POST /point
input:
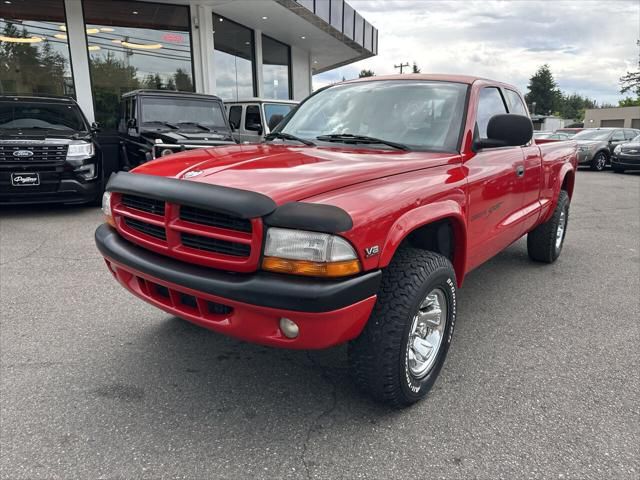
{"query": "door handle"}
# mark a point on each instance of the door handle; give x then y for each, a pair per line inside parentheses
(520, 171)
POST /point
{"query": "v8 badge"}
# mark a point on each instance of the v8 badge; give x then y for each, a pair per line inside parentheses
(371, 251)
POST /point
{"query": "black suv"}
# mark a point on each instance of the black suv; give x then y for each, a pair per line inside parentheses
(155, 123)
(48, 152)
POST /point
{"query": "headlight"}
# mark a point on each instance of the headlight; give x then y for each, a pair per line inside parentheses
(80, 150)
(106, 208)
(165, 152)
(315, 254)
(617, 149)
(584, 148)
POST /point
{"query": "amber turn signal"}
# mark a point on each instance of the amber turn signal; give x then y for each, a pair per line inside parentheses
(311, 269)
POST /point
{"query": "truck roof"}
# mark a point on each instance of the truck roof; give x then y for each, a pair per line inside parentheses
(261, 100)
(167, 93)
(440, 77)
(38, 98)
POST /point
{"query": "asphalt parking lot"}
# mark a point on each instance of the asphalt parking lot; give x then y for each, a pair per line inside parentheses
(541, 379)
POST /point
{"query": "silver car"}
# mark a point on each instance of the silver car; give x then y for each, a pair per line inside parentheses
(596, 145)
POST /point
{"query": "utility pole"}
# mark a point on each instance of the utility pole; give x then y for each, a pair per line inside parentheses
(401, 66)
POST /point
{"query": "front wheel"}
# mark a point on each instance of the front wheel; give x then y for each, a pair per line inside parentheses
(544, 243)
(399, 354)
(599, 161)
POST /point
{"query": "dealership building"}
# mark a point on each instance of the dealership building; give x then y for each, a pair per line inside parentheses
(96, 50)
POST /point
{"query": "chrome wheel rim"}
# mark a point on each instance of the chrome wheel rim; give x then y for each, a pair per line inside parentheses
(562, 223)
(601, 160)
(426, 334)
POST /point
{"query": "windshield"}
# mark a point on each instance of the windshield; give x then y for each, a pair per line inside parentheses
(41, 116)
(542, 135)
(176, 111)
(592, 135)
(420, 114)
(636, 139)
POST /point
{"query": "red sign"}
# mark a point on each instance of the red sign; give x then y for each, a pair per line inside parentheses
(173, 38)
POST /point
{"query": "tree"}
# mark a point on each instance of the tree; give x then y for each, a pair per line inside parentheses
(415, 68)
(182, 81)
(630, 82)
(543, 91)
(366, 73)
(629, 102)
(573, 106)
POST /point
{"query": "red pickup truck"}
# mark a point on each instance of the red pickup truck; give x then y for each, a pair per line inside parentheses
(355, 221)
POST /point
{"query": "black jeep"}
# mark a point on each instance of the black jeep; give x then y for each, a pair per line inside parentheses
(48, 152)
(155, 123)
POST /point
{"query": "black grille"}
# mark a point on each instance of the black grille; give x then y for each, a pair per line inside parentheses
(148, 205)
(218, 308)
(39, 153)
(144, 227)
(214, 219)
(216, 246)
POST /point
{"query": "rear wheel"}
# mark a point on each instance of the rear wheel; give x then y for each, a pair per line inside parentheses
(599, 161)
(399, 354)
(545, 242)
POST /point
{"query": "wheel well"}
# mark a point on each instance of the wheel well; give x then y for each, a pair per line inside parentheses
(567, 183)
(436, 237)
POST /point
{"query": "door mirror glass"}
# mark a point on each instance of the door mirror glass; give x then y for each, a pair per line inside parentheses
(254, 127)
(95, 127)
(506, 130)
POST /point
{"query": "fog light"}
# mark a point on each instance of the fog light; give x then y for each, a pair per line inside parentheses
(165, 152)
(289, 328)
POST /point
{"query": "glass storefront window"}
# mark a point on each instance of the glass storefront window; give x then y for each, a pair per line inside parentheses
(348, 20)
(34, 52)
(276, 62)
(135, 45)
(233, 57)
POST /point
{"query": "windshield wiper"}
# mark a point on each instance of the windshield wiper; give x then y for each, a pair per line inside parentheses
(166, 124)
(288, 136)
(350, 138)
(199, 125)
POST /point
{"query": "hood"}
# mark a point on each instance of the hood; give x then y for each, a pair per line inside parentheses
(589, 143)
(631, 145)
(42, 136)
(290, 173)
(192, 138)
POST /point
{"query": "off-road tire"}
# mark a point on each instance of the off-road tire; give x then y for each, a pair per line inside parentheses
(541, 242)
(379, 356)
(599, 161)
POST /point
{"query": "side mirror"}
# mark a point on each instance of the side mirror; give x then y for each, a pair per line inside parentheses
(132, 123)
(506, 130)
(95, 127)
(255, 127)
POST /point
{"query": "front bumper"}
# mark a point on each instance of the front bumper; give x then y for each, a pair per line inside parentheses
(60, 191)
(585, 157)
(626, 161)
(245, 306)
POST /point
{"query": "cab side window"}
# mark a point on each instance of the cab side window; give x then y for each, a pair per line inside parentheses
(491, 103)
(618, 136)
(515, 103)
(235, 114)
(252, 121)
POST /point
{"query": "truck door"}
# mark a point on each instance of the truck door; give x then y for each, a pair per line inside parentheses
(494, 191)
(253, 124)
(235, 120)
(531, 179)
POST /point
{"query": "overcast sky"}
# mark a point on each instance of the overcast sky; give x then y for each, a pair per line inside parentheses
(588, 44)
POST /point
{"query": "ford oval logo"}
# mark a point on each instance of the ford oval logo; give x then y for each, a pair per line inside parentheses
(23, 153)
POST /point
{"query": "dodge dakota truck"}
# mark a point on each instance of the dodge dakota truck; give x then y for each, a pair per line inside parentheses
(356, 221)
